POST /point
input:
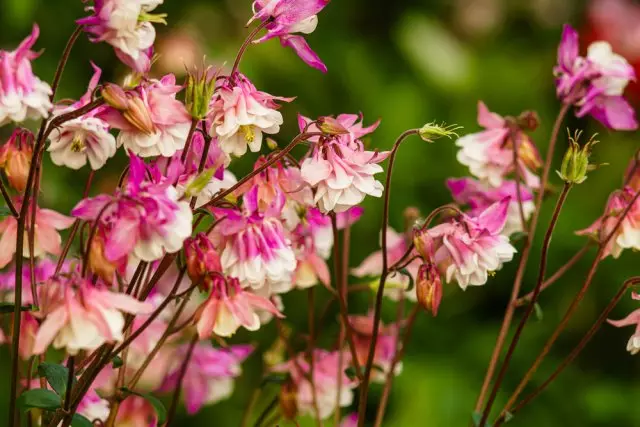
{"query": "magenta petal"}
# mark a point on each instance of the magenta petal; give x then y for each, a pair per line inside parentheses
(568, 48)
(495, 216)
(616, 113)
(302, 49)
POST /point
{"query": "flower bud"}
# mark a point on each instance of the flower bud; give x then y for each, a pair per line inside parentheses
(287, 400)
(15, 158)
(429, 288)
(432, 131)
(528, 152)
(198, 93)
(98, 262)
(528, 120)
(330, 126)
(575, 163)
(424, 244)
(202, 258)
(115, 96)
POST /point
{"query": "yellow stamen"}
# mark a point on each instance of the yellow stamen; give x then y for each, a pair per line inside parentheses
(249, 135)
(78, 145)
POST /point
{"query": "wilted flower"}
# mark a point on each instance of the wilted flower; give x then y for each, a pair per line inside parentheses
(287, 17)
(633, 319)
(127, 26)
(210, 374)
(627, 235)
(151, 121)
(144, 219)
(15, 158)
(229, 307)
(386, 347)
(84, 317)
(47, 239)
(480, 196)
(595, 83)
(429, 288)
(240, 114)
(489, 154)
(469, 248)
(22, 94)
(86, 137)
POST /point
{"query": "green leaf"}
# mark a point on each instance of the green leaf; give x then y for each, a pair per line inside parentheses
(538, 311)
(5, 212)
(8, 307)
(56, 375)
(158, 406)
(199, 182)
(39, 398)
(477, 418)
(116, 362)
(80, 421)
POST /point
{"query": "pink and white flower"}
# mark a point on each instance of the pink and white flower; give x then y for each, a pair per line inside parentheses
(633, 319)
(93, 407)
(229, 307)
(386, 347)
(289, 17)
(340, 169)
(595, 84)
(151, 120)
(240, 114)
(489, 154)
(627, 235)
(326, 369)
(313, 240)
(22, 94)
(136, 411)
(47, 239)
(209, 376)
(84, 138)
(79, 316)
(145, 219)
(469, 248)
(479, 196)
(127, 26)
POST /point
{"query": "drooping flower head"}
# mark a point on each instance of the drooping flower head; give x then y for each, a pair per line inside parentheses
(312, 241)
(489, 153)
(15, 157)
(144, 219)
(84, 138)
(127, 25)
(136, 411)
(229, 307)
(479, 196)
(47, 239)
(594, 84)
(633, 319)
(385, 352)
(151, 120)
(339, 168)
(288, 17)
(469, 248)
(627, 235)
(240, 114)
(22, 94)
(209, 376)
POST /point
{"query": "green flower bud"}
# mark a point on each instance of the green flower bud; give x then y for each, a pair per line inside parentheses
(198, 93)
(432, 131)
(575, 163)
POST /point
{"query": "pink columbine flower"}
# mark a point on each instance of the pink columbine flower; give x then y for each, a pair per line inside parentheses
(396, 283)
(15, 158)
(145, 219)
(151, 120)
(362, 328)
(312, 241)
(209, 376)
(93, 407)
(255, 247)
(229, 307)
(469, 248)
(325, 380)
(127, 26)
(28, 331)
(633, 319)
(136, 411)
(287, 18)
(350, 420)
(479, 196)
(594, 84)
(22, 94)
(79, 316)
(44, 269)
(340, 169)
(628, 234)
(489, 154)
(240, 114)
(47, 238)
(84, 138)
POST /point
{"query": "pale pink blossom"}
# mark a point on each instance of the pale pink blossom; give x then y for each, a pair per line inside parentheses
(241, 114)
(489, 154)
(633, 319)
(144, 219)
(480, 196)
(210, 374)
(136, 411)
(28, 330)
(468, 249)
(230, 307)
(22, 94)
(350, 420)
(44, 269)
(93, 407)
(47, 239)
(386, 347)
(627, 235)
(595, 84)
(84, 317)
(312, 242)
(84, 138)
(151, 120)
(325, 381)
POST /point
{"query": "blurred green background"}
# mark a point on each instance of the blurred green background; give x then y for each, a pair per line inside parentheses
(408, 62)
